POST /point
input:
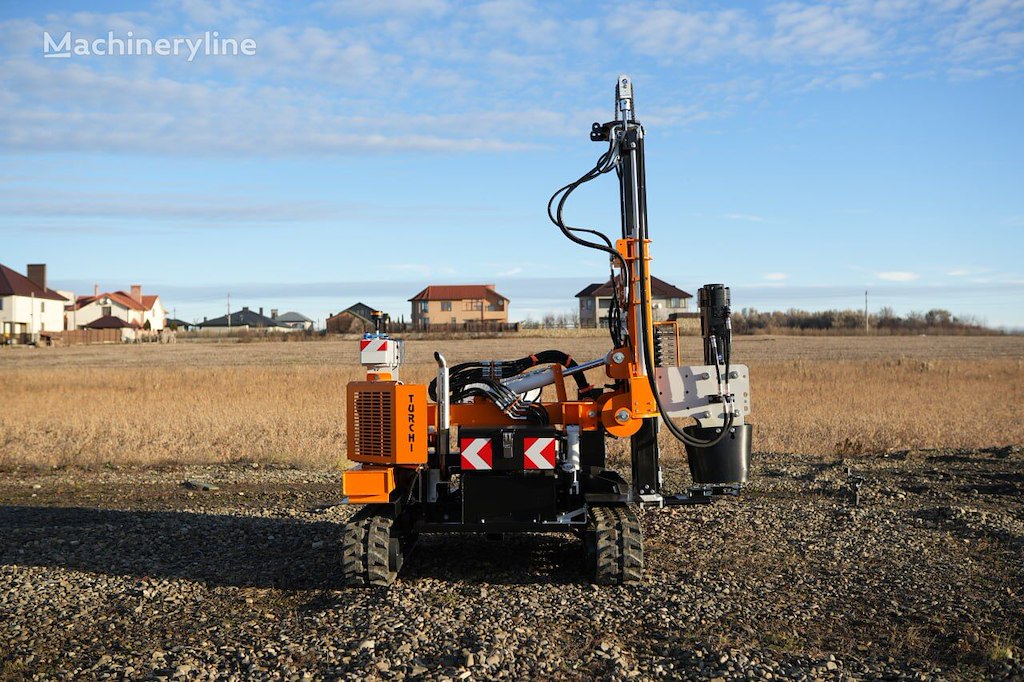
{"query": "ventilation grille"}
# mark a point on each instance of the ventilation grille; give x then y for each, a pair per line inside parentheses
(372, 424)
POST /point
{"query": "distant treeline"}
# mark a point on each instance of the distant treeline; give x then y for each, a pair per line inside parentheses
(936, 321)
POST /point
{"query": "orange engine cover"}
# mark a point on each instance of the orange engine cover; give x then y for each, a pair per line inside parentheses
(387, 422)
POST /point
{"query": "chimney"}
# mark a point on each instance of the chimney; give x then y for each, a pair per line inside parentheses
(489, 286)
(261, 311)
(273, 313)
(245, 308)
(204, 318)
(95, 290)
(37, 274)
(137, 292)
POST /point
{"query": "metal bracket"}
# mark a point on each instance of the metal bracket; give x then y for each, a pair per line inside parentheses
(702, 495)
(568, 517)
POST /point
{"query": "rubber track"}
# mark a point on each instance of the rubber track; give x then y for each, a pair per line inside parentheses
(364, 551)
(618, 550)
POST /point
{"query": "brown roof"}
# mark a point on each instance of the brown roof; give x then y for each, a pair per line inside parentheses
(456, 292)
(119, 297)
(590, 289)
(659, 289)
(15, 284)
(108, 322)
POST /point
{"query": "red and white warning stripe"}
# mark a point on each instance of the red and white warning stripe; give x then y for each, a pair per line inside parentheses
(373, 345)
(476, 454)
(539, 453)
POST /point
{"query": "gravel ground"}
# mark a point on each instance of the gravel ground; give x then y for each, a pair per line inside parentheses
(130, 574)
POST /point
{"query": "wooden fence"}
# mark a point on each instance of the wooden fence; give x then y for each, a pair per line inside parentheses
(75, 337)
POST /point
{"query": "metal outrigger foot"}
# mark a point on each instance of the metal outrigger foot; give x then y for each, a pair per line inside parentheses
(703, 494)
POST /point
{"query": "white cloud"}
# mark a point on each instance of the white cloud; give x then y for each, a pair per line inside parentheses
(696, 36)
(775, 276)
(400, 8)
(817, 31)
(897, 276)
(425, 75)
(964, 272)
(745, 217)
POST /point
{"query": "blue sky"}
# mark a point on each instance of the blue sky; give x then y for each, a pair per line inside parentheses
(801, 152)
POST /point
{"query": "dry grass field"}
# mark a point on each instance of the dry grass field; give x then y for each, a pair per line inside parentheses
(284, 402)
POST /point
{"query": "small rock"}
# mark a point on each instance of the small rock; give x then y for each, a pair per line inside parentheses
(200, 485)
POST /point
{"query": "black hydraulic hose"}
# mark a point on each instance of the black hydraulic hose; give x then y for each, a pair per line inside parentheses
(467, 379)
(649, 365)
(602, 166)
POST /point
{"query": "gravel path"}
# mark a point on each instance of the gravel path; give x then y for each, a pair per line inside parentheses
(130, 574)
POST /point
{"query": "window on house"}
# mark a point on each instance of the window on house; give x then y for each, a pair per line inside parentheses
(674, 303)
(604, 303)
(1, 304)
(496, 307)
(424, 306)
(473, 305)
(106, 311)
(446, 306)
(42, 306)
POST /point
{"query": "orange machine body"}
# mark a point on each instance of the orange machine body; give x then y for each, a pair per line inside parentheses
(387, 423)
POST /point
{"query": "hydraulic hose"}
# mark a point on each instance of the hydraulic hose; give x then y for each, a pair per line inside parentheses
(645, 332)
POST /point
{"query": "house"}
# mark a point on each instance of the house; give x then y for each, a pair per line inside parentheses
(459, 304)
(667, 301)
(27, 307)
(175, 324)
(243, 320)
(293, 320)
(356, 319)
(137, 310)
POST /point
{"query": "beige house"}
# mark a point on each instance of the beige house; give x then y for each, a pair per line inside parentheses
(459, 304)
(667, 302)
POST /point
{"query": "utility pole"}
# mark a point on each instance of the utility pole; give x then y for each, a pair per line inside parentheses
(229, 311)
(867, 329)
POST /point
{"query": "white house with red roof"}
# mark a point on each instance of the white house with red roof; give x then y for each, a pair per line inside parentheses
(27, 307)
(133, 308)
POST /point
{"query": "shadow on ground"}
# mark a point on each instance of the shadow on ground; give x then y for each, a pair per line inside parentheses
(249, 551)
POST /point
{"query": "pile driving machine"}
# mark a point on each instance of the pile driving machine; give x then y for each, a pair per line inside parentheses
(478, 450)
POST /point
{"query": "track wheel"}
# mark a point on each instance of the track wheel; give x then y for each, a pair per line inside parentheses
(614, 546)
(371, 552)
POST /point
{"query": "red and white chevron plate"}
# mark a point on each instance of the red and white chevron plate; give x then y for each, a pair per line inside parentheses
(539, 453)
(476, 454)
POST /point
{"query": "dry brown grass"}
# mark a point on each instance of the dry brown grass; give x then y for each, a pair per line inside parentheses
(213, 402)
